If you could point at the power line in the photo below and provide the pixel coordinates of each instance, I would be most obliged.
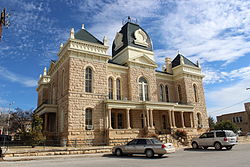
(229, 106)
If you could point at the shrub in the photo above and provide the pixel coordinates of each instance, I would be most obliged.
(180, 134)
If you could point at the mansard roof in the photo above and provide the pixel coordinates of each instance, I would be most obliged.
(177, 61)
(128, 38)
(84, 35)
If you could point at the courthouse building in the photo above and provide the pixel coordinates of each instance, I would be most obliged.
(88, 94)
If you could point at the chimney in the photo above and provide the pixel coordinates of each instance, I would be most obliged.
(72, 33)
(168, 65)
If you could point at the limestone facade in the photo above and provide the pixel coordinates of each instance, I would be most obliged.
(88, 95)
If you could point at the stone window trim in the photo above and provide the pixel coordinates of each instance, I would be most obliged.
(179, 93)
(143, 88)
(199, 120)
(91, 80)
(111, 87)
(88, 118)
(196, 94)
(118, 89)
(161, 93)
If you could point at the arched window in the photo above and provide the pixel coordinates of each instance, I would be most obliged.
(167, 93)
(88, 119)
(199, 120)
(110, 84)
(161, 92)
(88, 79)
(118, 89)
(143, 89)
(179, 93)
(195, 93)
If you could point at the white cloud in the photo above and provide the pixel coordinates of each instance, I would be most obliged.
(10, 76)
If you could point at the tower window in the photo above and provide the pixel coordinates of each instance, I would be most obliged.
(88, 80)
(118, 89)
(143, 89)
(110, 85)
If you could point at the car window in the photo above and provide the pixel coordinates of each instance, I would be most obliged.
(204, 135)
(220, 134)
(133, 142)
(230, 134)
(142, 142)
(155, 141)
(210, 135)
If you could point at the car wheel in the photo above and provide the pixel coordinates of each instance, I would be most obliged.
(118, 152)
(160, 155)
(229, 147)
(149, 153)
(195, 145)
(217, 146)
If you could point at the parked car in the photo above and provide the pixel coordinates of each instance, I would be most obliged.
(148, 146)
(217, 139)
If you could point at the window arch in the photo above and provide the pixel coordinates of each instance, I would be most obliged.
(88, 79)
(195, 93)
(167, 93)
(110, 86)
(118, 89)
(161, 93)
(143, 89)
(179, 93)
(88, 118)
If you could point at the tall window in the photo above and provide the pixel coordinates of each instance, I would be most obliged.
(143, 89)
(161, 93)
(118, 89)
(179, 93)
(167, 93)
(164, 120)
(63, 80)
(110, 83)
(88, 117)
(195, 93)
(199, 119)
(88, 79)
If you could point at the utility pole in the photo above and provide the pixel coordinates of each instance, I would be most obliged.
(3, 21)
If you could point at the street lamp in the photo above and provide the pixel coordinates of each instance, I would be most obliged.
(8, 121)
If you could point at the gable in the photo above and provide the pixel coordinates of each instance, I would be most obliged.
(144, 59)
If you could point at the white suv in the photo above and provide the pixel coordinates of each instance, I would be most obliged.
(216, 139)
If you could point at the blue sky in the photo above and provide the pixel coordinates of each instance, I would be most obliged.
(214, 32)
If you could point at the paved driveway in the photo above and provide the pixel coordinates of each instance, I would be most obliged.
(237, 157)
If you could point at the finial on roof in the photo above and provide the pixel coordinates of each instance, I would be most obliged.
(83, 27)
(40, 76)
(72, 33)
(163, 68)
(105, 41)
(178, 52)
(45, 71)
(181, 60)
(61, 45)
(198, 64)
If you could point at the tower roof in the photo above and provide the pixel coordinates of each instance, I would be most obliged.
(131, 34)
(177, 61)
(84, 35)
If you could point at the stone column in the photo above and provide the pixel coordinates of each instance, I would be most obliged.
(147, 114)
(173, 118)
(170, 119)
(109, 118)
(151, 118)
(191, 120)
(182, 119)
(128, 118)
(144, 118)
